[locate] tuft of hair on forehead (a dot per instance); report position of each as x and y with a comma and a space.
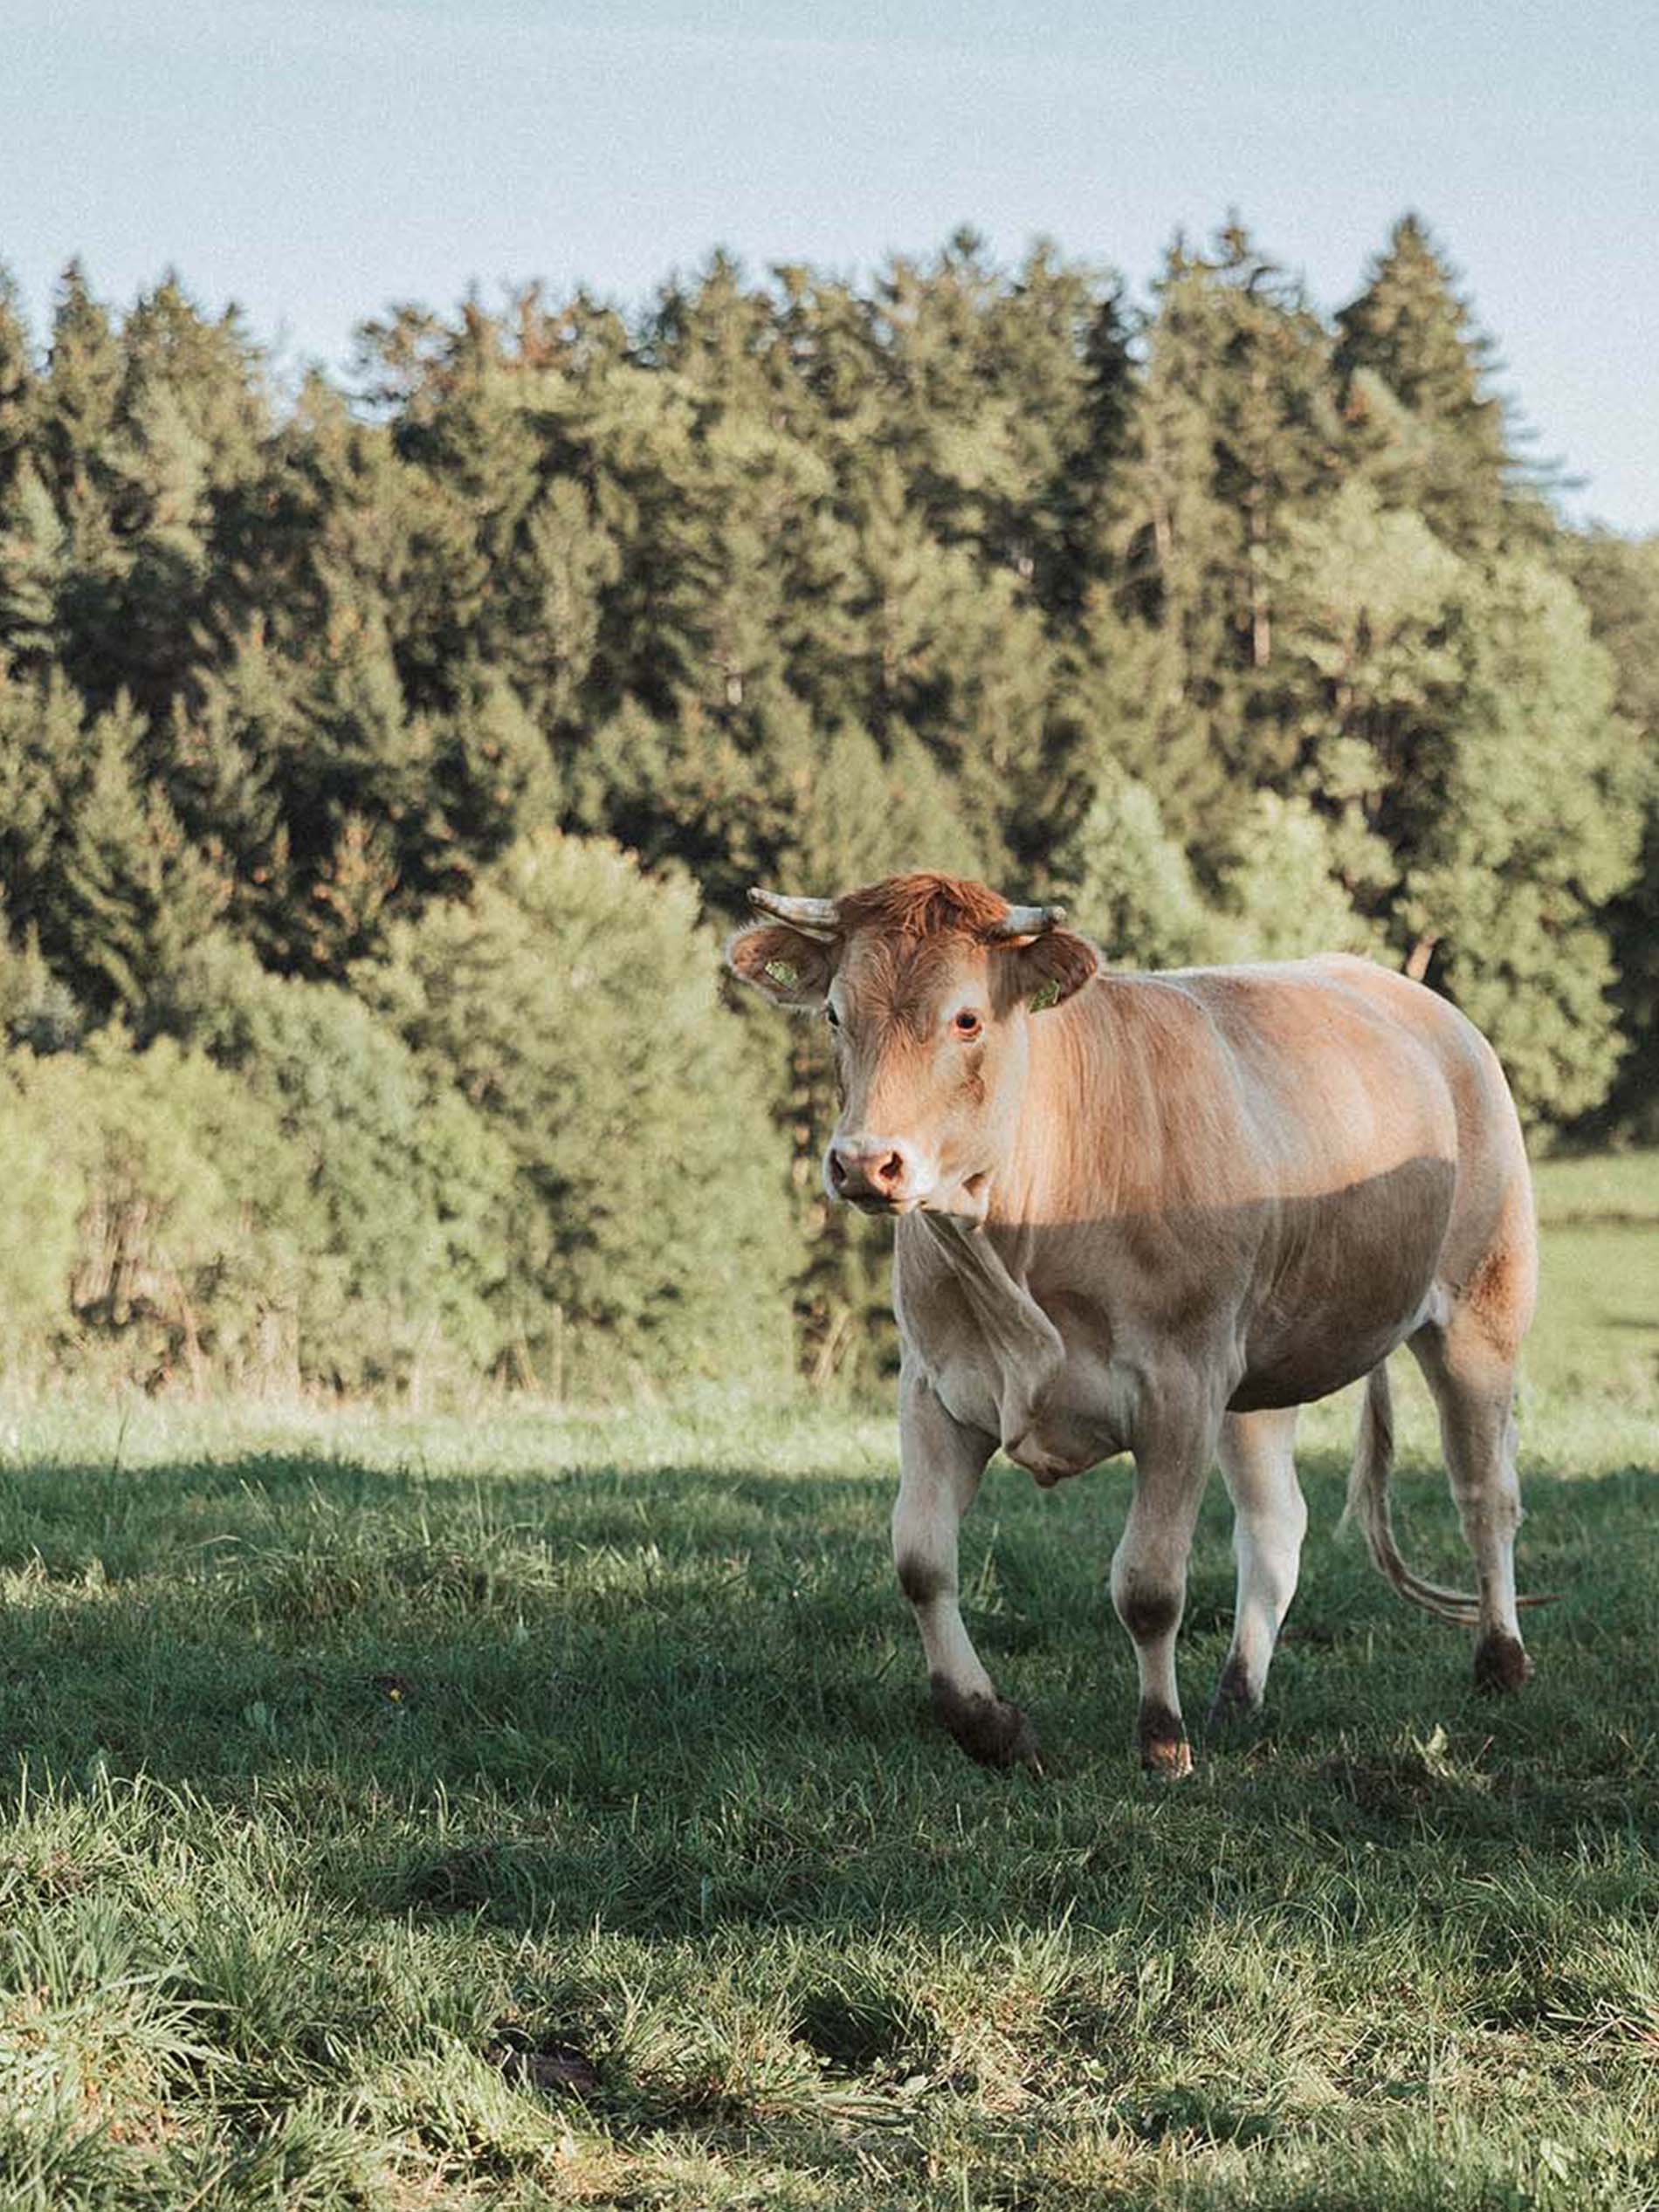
913, 907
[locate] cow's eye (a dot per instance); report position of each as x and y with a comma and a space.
832, 1017
968, 1024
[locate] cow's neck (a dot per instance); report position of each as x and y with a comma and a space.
1024, 1344
1037, 1183
1069, 1130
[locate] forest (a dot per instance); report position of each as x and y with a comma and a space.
384, 756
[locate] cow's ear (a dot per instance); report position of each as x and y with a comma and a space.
793, 969
1045, 971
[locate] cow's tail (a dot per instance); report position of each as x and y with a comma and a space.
1368, 1504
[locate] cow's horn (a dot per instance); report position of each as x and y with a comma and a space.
816, 917
1029, 921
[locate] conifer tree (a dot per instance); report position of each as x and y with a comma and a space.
358, 795
1181, 554
565, 561
76, 404
1414, 332
137, 895
1057, 356
140, 632
33, 564
213, 371
36, 1011
16, 383
492, 778
722, 339
219, 758
43, 762
1232, 447
828, 330
898, 591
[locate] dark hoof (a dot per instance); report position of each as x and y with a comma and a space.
1501, 1665
1233, 1700
988, 1728
1162, 1743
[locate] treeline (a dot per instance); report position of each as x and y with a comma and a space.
378, 765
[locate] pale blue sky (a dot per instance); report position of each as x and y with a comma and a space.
315, 159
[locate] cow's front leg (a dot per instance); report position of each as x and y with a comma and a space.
941, 1463
1149, 1578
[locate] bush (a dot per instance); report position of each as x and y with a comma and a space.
411, 1187
169, 1228
575, 1002
45, 1194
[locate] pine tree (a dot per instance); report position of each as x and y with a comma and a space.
358, 796
43, 760
36, 1011
469, 435
16, 384
1056, 356
76, 402
722, 340
1413, 331
1230, 442
565, 561
139, 897
899, 590
213, 371
828, 330
493, 779
140, 631
219, 758
33, 564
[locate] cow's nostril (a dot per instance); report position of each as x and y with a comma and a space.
838, 1168
889, 1171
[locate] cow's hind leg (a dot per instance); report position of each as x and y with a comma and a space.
1470, 1370
1149, 1579
941, 1464
1257, 1452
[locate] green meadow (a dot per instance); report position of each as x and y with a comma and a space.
531, 1809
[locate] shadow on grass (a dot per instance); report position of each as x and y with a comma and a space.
672, 1700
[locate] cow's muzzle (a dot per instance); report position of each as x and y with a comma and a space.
875, 1173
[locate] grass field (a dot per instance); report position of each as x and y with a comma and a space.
533, 1811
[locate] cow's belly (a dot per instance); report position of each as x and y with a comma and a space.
1297, 1380
1355, 1277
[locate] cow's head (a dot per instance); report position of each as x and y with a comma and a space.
928, 984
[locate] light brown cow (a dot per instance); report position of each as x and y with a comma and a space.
1156, 1214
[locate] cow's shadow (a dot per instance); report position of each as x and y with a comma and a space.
672, 1698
